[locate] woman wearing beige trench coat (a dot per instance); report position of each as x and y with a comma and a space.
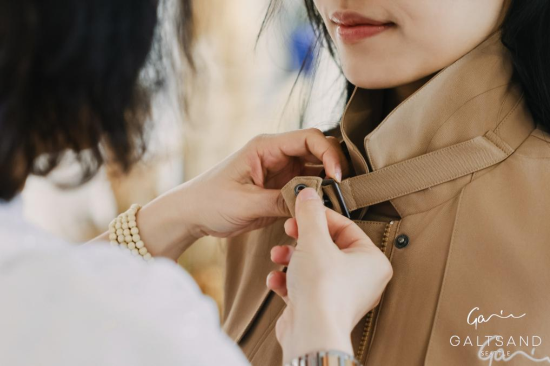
451, 186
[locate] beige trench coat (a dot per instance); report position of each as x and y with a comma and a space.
466, 173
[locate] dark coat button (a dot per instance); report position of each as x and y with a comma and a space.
298, 188
401, 241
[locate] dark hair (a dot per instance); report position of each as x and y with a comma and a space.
70, 79
525, 33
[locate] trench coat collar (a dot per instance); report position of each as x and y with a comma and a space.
463, 100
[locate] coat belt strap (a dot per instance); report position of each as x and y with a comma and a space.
415, 174
422, 172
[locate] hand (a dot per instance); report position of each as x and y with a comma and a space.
335, 276
240, 194
243, 192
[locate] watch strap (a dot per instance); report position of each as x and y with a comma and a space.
325, 358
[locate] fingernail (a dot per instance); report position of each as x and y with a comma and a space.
267, 279
338, 175
308, 194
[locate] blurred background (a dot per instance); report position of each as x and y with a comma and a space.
242, 86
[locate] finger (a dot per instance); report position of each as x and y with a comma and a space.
312, 142
291, 228
345, 233
312, 170
344, 161
282, 254
276, 282
311, 159
266, 203
311, 218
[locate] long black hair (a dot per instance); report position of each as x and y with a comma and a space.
71, 79
525, 32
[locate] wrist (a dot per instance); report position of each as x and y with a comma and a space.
326, 313
308, 334
166, 224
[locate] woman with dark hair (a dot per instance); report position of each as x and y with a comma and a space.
446, 131
71, 80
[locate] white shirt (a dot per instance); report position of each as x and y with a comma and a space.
98, 305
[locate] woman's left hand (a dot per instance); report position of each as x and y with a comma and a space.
240, 194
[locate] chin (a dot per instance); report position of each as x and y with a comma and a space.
372, 81
386, 77
370, 74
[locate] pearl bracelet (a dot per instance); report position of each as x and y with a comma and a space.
123, 232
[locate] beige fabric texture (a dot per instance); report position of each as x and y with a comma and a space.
466, 169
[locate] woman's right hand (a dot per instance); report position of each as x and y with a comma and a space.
240, 194
335, 276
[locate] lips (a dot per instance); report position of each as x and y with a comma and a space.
353, 27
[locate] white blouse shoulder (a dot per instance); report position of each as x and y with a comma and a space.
98, 305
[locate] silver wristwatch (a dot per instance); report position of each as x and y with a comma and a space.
325, 358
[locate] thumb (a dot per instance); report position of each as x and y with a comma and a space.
311, 218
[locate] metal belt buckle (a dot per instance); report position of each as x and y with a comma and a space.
338, 192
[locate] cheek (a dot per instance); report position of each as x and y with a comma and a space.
322, 7
398, 57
